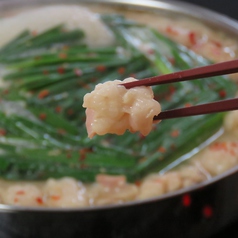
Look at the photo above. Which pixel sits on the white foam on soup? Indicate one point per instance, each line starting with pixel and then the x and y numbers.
pixel 73 17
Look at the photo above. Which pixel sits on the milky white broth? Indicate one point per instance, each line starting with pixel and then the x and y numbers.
pixel 68 192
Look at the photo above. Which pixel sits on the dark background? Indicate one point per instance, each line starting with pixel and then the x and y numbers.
pixel 230 9
pixel 226 7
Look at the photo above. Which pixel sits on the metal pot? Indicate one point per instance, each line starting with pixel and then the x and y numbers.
pixel 198 211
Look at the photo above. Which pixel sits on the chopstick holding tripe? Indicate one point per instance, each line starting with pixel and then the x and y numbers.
pixel 117 106
pixel 223 68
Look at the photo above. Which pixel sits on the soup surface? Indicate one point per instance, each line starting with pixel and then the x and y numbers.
pixel 46 158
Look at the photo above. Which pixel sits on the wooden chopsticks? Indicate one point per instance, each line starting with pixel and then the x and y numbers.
pixel 218 106
pixel 223 68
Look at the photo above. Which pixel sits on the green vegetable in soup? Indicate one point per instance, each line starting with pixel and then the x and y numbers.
pixel 49 74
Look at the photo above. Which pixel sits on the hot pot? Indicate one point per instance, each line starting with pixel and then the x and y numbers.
pixel 197 211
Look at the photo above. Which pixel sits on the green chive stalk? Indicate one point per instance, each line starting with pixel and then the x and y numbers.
pixel 50 73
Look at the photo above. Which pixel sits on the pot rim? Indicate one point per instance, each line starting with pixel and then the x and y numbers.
pixel 180 192
pixel 201 14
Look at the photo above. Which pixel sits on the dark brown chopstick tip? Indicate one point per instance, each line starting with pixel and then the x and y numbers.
pixel 208 108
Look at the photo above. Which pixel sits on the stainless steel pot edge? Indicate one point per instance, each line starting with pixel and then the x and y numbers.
pixel 189 10
pixel 179 7
pixel 13 209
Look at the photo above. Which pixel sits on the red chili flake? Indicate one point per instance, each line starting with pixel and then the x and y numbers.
pixel 171 60
pixel 172 89
pixel 158 180
pixel 101 68
pixel 192 38
pixel 39 200
pixel 42 116
pixel 168 98
pixel 70 112
pixel 85 85
pixel 83 152
pixel 138 183
pixel 55 197
pixel 63 55
pixel 188 104
pixel 219 146
pixel 121 70
pixel 58 109
pixel 217 44
pixel 3 132
pixel 207 211
pixel 162 149
pixel 44 93
pixel 151 51
pixel 186 200
pixel 45 72
pixel 175 133
pixel 78 72
pixel 20 192
pixel 171 30
pixel 234 144
pixel 68 155
pixel 16 200
pixel 61 70
pixel 34 33
pixel 61 131
pixel 222 93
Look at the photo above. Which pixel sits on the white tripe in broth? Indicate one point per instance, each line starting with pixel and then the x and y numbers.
pixel 73 17
pixel 114 109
